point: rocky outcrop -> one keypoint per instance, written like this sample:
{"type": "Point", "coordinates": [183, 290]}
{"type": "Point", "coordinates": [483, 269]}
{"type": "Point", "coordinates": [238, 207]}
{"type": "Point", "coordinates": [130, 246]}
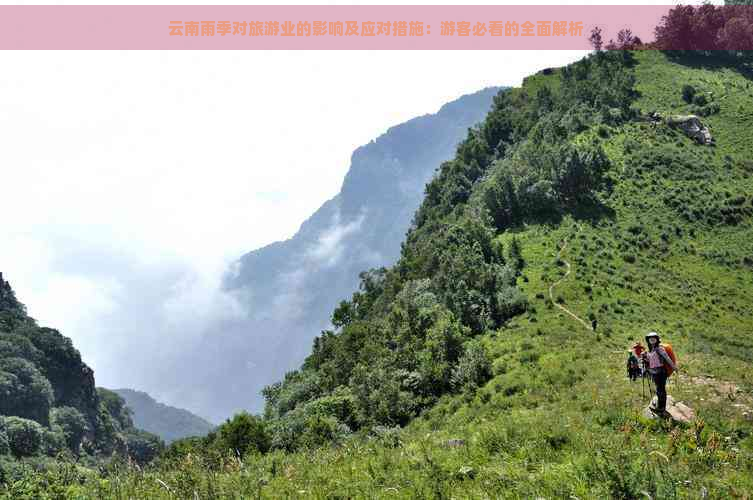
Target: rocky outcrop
{"type": "Point", "coordinates": [676, 410]}
{"type": "Point", "coordinates": [693, 128]}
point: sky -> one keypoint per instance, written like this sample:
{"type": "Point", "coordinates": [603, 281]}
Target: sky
{"type": "Point", "coordinates": [130, 181]}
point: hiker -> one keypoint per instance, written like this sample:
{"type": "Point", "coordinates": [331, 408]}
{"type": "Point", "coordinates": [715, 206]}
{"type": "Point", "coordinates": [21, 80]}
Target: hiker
{"type": "Point", "coordinates": [633, 366]}
{"type": "Point", "coordinates": [638, 349]}
{"type": "Point", "coordinates": [593, 324]}
{"type": "Point", "coordinates": [660, 366]}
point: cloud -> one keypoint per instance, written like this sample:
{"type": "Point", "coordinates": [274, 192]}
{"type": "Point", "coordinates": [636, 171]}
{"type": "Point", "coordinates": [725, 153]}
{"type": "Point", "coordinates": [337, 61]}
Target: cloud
{"type": "Point", "coordinates": [329, 246]}
{"type": "Point", "coordinates": [125, 198]}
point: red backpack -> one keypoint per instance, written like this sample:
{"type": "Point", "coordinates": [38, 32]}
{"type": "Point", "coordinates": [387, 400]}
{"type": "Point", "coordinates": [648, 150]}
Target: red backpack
{"type": "Point", "coordinates": [671, 354]}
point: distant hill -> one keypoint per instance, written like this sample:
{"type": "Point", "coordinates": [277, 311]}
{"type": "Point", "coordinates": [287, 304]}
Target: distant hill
{"type": "Point", "coordinates": [167, 422]}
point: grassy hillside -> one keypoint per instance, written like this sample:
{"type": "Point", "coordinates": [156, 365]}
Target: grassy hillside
{"type": "Point", "coordinates": [453, 374]}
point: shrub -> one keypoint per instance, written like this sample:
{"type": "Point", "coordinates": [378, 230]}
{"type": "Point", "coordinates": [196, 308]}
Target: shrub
{"type": "Point", "coordinates": [244, 433]}
{"type": "Point", "coordinates": [53, 442]}
{"type": "Point", "coordinates": [473, 369]}
{"type": "Point", "coordinates": [24, 436]}
{"type": "Point", "coordinates": [26, 392]}
{"type": "Point", "coordinates": [4, 443]}
{"type": "Point", "coordinates": [388, 436]}
{"type": "Point", "coordinates": [700, 100]}
{"type": "Point", "coordinates": [71, 424]}
{"type": "Point", "coordinates": [143, 446]}
{"type": "Point", "coordinates": [688, 92]}
{"type": "Point", "coordinates": [321, 430]}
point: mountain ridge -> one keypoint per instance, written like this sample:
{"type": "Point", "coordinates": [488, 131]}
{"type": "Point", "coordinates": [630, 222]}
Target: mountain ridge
{"type": "Point", "coordinates": [168, 422]}
{"type": "Point", "coordinates": [290, 287]}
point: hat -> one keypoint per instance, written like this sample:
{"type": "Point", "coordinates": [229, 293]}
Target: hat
{"type": "Point", "coordinates": [653, 334]}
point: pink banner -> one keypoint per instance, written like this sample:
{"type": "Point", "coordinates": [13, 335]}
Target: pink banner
{"type": "Point", "coordinates": [344, 27]}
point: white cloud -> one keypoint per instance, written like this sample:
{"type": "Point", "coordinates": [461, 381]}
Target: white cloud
{"type": "Point", "coordinates": [130, 180]}
{"type": "Point", "coordinates": [329, 246]}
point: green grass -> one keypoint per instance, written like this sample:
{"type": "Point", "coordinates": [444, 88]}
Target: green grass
{"type": "Point", "coordinates": [559, 419]}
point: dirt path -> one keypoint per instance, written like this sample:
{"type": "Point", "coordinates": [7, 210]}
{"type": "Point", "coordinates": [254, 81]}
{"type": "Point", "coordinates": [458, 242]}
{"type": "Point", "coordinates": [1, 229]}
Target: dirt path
{"type": "Point", "coordinates": [553, 285]}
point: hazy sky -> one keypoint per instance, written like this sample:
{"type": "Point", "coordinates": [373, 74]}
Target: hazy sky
{"type": "Point", "coordinates": [129, 180]}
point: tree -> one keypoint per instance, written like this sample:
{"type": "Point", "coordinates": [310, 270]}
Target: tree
{"type": "Point", "coordinates": [515, 255]}
{"type": "Point", "coordinates": [4, 443]}
{"type": "Point", "coordinates": [737, 34]}
{"type": "Point", "coordinates": [24, 392]}
{"type": "Point", "coordinates": [596, 39]}
{"type": "Point", "coordinates": [244, 434]}
{"type": "Point", "coordinates": [579, 171]}
{"type": "Point", "coordinates": [143, 446]}
{"type": "Point", "coordinates": [24, 436]}
{"type": "Point", "coordinates": [625, 41]}
{"type": "Point", "coordinates": [72, 425]}
{"type": "Point", "coordinates": [473, 369]}
{"type": "Point", "coordinates": [688, 92]}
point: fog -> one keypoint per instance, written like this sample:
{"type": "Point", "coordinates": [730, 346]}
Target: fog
{"type": "Point", "coordinates": [131, 181]}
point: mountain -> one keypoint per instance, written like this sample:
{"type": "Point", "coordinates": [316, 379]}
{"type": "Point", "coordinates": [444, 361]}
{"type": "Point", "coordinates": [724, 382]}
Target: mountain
{"type": "Point", "coordinates": [167, 422]}
{"type": "Point", "coordinates": [49, 403]}
{"type": "Point", "coordinates": [289, 288]}
{"type": "Point", "coordinates": [596, 203]}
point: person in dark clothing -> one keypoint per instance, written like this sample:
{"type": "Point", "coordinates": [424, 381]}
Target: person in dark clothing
{"type": "Point", "coordinates": [633, 366]}
{"type": "Point", "coordinates": [657, 361]}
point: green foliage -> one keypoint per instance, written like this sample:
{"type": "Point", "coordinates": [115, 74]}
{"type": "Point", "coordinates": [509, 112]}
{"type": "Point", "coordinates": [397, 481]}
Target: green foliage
{"type": "Point", "coordinates": [143, 447]}
{"type": "Point", "coordinates": [25, 391]}
{"type": "Point", "coordinates": [115, 406]}
{"type": "Point", "coordinates": [688, 93]}
{"type": "Point", "coordinates": [24, 436]}
{"type": "Point", "coordinates": [71, 424]}
{"type": "Point", "coordinates": [542, 409]}
{"type": "Point", "coordinates": [4, 442]}
{"type": "Point", "coordinates": [244, 434]}
{"type": "Point", "coordinates": [473, 369]}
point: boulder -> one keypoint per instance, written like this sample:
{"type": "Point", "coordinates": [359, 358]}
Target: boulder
{"type": "Point", "coordinates": [677, 410]}
{"type": "Point", "coordinates": [693, 128]}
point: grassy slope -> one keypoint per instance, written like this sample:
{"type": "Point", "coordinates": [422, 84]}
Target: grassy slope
{"type": "Point", "coordinates": [559, 419]}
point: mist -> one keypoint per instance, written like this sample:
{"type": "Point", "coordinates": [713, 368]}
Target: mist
{"type": "Point", "coordinates": [133, 181]}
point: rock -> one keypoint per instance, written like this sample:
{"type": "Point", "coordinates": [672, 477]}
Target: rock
{"type": "Point", "coordinates": [693, 128]}
{"type": "Point", "coordinates": [455, 443]}
{"type": "Point", "coordinates": [678, 411]}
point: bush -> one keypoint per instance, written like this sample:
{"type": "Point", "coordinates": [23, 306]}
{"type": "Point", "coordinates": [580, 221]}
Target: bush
{"type": "Point", "coordinates": [71, 424]}
{"type": "Point", "coordinates": [473, 369]}
{"type": "Point", "coordinates": [321, 430]}
{"type": "Point", "coordinates": [143, 446]}
{"type": "Point", "coordinates": [26, 392]}
{"type": "Point", "coordinates": [53, 442]}
{"type": "Point", "coordinates": [243, 434]}
{"type": "Point", "coordinates": [688, 92]}
{"type": "Point", "coordinates": [24, 436]}
{"type": "Point", "coordinates": [4, 443]}
{"type": "Point", "coordinates": [700, 100]}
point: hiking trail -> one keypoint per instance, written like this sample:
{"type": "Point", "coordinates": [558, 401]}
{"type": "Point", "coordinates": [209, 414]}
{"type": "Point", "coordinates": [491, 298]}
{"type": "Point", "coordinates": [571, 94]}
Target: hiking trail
{"type": "Point", "coordinates": [563, 278]}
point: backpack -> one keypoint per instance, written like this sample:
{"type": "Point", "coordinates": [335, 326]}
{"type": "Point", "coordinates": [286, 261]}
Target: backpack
{"type": "Point", "coordinates": [672, 356]}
